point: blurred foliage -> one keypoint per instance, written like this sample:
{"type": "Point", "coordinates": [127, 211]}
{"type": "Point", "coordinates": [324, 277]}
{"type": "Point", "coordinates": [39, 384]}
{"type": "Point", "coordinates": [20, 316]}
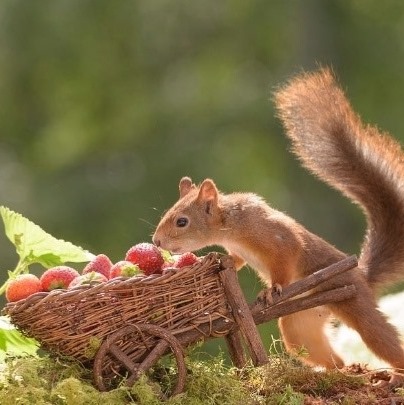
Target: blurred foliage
{"type": "Point", "coordinates": [105, 105]}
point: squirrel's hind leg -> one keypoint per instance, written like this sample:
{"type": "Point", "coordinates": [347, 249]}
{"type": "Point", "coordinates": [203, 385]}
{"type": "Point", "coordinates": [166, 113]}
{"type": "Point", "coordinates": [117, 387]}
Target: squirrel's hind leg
{"type": "Point", "coordinates": [361, 314]}
{"type": "Point", "coordinates": [304, 335]}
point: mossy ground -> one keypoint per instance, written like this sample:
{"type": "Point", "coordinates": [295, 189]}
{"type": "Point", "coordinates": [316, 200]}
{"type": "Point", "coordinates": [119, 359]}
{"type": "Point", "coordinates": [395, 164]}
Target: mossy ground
{"type": "Point", "coordinates": [43, 380]}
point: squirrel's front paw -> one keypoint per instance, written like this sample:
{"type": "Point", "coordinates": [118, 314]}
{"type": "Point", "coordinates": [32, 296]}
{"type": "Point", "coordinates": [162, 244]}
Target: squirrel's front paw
{"type": "Point", "coordinates": [267, 296]}
{"type": "Point", "coordinates": [277, 289]}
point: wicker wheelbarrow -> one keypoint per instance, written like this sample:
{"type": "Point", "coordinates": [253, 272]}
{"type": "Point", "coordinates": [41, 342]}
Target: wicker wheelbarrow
{"type": "Point", "coordinates": [123, 327]}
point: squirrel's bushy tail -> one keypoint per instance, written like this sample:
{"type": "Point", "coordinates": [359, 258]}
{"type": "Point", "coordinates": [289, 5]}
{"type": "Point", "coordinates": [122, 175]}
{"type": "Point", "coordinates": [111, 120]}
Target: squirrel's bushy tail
{"type": "Point", "coordinates": [360, 161]}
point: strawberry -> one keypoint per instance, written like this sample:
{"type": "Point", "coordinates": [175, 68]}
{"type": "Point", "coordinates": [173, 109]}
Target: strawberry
{"type": "Point", "coordinates": [147, 256]}
{"type": "Point", "coordinates": [124, 268]}
{"type": "Point", "coordinates": [186, 259]}
{"type": "Point", "coordinates": [58, 277]}
{"type": "Point", "coordinates": [90, 278]}
{"type": "Point", "coordinates": [22, 287]}
{"type": "Point", "coordinates": [101, 264]}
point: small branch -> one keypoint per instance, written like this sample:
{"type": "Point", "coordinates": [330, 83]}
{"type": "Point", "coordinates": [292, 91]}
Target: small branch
{"type": "Point", "coordinates": [263, 314]}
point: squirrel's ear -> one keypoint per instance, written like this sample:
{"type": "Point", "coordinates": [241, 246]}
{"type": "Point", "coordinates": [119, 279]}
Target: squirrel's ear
{"type": "Point", "coordinates": [208, 193]}
{"type": "Point", "coordinates": [185, 186]}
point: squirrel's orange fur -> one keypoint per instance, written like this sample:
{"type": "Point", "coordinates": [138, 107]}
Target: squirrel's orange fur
{"type": "Point", "coordinates": [365, 165]}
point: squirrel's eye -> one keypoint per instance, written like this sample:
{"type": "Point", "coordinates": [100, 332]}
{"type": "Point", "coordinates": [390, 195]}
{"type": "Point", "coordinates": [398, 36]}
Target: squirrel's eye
{"type": "Point", "coordinates": [181, 222]}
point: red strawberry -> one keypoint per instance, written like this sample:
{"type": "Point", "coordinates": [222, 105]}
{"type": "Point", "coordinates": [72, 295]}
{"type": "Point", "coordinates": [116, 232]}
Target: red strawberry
{"type": "Point", "coordinates": [124, 268]}
{"type": "Point", "coordinates": [186, 259]}
{"type": "Point", "coordinates": [58, 277]}
{"type": "Point", "coordinates": [101, 264]}
{"type": "Point", "coordinates": [147, 256]}
{"type": "Point", "coordinates": [91, 278]}
{"type": "Point", "coordinates": [22, 287]}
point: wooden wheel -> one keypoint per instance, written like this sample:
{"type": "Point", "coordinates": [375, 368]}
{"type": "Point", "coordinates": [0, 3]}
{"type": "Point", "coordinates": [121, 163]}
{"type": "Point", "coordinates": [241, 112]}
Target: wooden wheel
{"type": "Point", "coordinates": [131, 351]}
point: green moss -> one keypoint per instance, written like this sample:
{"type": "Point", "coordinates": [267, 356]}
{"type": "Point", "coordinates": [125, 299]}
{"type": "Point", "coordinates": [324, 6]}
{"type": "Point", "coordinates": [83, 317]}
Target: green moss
{"type": "Point", "coordinates": [208, 382]}
{"type": "Point", "coordinates": [33, 380]}
{"type": "Point", "coordinates": [286, 380]}
{"type": "Point", "coordinates": [42, 381]}
{"type": "Point", "coordinates": [288, 397]}
{"type": "Point", "coordinates": [93, 345]}
{"type": "Point", "coordinates": [73, 391]}
{"type": "Point", "coordinates": [211, 382]}
{"type": "Point", "coordinates": [48, 381]}
{"type": "Point", "coordinates": [145, 393]}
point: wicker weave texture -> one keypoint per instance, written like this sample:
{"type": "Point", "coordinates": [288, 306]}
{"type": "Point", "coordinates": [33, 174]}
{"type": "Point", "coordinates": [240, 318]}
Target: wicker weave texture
{"type": "Point", "coordinates": [75, 322]}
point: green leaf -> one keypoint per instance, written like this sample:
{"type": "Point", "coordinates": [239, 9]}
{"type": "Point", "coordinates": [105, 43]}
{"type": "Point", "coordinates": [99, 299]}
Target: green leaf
{"type": "Point", "coordinates": [13, 342]}
{"type": "Point", "coordinates": [34, 245]}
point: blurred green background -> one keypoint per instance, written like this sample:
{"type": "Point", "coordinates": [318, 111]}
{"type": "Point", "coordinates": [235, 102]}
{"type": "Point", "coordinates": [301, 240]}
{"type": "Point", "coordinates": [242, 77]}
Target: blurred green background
{"type": "Point", "coordinates": [104, 105]}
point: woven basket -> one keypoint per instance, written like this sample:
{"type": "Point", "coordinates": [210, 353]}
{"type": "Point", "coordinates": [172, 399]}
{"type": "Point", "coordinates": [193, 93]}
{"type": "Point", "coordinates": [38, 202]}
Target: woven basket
{"type": "Point", "coordinates": [75, 322]}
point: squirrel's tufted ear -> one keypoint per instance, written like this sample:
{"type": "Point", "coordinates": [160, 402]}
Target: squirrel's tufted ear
{"type": "Point", "coordinates": [185, 186]}
{"type": "Point", "coordinates": [208, 193]}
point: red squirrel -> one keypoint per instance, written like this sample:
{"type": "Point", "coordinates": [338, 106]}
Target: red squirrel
{"type": "Point", "coordinates": [361, 162]}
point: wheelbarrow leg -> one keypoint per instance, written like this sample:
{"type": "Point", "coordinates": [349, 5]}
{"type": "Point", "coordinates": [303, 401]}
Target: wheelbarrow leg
{"type": "Point", "coordinates": [242, 313]}
{"type": "Point", "coordinates": [234, 342]}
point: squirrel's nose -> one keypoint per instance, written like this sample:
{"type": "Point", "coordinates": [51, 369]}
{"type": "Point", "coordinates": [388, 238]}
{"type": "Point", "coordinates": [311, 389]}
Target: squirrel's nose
{"type": "Point", "coordinates": [156, 241]}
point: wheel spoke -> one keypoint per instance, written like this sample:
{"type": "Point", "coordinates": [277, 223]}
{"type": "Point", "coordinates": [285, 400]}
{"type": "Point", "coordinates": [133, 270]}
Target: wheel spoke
{"type": "Point", "coordinates": [151, 350]}
{"type": "Point", "coordinates": [122, 357]}
{"type": "Point", "coordinates": [150, 360]}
